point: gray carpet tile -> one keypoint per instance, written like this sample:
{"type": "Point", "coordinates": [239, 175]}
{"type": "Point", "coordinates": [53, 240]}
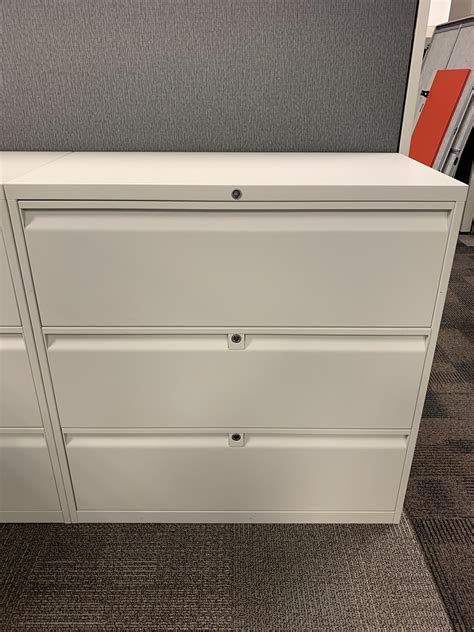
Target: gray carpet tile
{"type": "Point", "coordinates": [448, 547]}
{"type": "Point", "coordinates": [218, 577]}
{"type": "Point", "coordinates": [334, 577]}
{"type": "Point", "coordinates": [440, 497]}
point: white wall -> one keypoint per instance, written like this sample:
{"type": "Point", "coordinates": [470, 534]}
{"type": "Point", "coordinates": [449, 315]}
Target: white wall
{"type": "Point", "coordinates": [439, 13]}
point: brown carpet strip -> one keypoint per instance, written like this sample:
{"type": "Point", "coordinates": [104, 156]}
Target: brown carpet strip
{"type": "Point", "coordinates": [440, 498]}
{"type": "Point", "coordinates": [276, 577]}
{"type": "Point", "coordinates": [217, 577]}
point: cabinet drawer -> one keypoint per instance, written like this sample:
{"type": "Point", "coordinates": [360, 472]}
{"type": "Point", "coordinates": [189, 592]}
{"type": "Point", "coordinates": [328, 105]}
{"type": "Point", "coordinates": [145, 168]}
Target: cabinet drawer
{"type": "Point", "coordinates": [18, 402]}
{"type": "Point", "coordinates": [9, 315]}
{"type": "Point", "coordinates": [197, 381]}
{"type": "Point", "coordinates": [26, 476]}
{"type": "Point", "coordinates": [202, 472]}
{"type": "Point", "coordinates": [259, 268]}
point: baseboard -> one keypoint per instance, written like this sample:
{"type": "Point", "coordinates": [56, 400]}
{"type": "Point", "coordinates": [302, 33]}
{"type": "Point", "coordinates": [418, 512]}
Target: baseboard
{"type": "Point", "coordinates": [365, 517]}
{"type": "Point", "coordinates": [31, 516]}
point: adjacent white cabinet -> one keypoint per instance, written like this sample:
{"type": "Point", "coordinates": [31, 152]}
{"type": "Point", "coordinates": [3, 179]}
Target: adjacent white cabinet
{"type": "Point", "coordinates": [19, 403]}
{"type": "Point", "coordinates": [28, 485]}
{"type": "Point", "coordinates": [234, 337]}
{"type": "Point", "coordinates": [9, 314]}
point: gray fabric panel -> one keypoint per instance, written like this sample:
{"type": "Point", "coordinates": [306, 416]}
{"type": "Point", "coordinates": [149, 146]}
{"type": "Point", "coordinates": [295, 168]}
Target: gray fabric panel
{"type": "Point", "coordinates": [205, 75]}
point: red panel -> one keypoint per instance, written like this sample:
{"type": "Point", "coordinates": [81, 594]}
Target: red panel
{"type": "Point", "coordinates": [436, 115]}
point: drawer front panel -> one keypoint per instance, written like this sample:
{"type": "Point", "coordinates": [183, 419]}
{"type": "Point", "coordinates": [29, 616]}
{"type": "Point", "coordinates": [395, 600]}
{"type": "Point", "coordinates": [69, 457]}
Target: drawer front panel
{"type": "Point", "coordinates": [9, 315]}
{"type": "Point", "coordinates": [203, 473]}
{"type": "Point", "coordinates": [18, 402]}
{"type": "Point", "coordinates": [197, 381]}
{"type": "Point", "coordinates": [139, 268]}
{"type": "Point", "coordinates": [26, 476]}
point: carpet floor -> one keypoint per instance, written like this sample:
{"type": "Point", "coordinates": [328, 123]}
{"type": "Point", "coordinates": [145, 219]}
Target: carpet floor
{"type": "Point", "coordinates": [217, 577]}
{"type": "Point", "coordinates": [440, 496]}
{"type": "Point", "coordinates": [277, 577]}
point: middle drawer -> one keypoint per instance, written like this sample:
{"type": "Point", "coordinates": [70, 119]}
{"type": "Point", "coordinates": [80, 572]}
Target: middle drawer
{"type": "Point", "coordinates": [276, 381]}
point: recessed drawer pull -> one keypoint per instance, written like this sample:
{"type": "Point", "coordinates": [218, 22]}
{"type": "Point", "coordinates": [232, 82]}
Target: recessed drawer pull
{"type": "Point", "coordinates": [274, 472]}
{"type": "Point", "coordinates": [272, 381]}
{"type": "Point", "coordinates": [176, 264]}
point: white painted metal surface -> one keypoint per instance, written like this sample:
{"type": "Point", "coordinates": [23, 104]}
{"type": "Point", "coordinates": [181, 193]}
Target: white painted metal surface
{"type": "Point", "coordinates": [135, 324]}
{"type": "Point", "coordinates": [232, 268]}
{"type": "Point", "coordinates": [18, 402]}
{"type": "Point", "coordinates": [197, 381]}
{"type": "Point", "coordinates": [198, 472]}
{"type": "Point", "coordinates": [213, 176]}
{"type": "Point", "coordinates": [468, 216]}
{"type": "Point", "coordinates": [15, 164]}
{"type": "Point", "coordinates": [252, 517]}
{"type": "Point", "coordinates": [9, 314]}
{"type": "Point", "coordinates": [31, 482]}
{"type": "Point", "coordinates": [26, 478]}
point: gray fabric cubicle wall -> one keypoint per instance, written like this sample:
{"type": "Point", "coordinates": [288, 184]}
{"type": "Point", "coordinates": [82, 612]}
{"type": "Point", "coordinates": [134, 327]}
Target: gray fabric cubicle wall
{"type": "Point", "coordinates": [205, 75]}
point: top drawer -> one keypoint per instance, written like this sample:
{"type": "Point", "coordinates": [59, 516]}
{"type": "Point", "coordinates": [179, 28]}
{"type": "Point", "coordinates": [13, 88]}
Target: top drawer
{"type": "Point", "coordinates": [225, 268]}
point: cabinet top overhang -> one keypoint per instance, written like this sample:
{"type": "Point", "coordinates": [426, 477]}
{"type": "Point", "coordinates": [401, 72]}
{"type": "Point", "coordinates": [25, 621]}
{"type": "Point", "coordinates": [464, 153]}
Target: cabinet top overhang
{"type": "Point", "coordinates": [214, 176]}
{"type": "Point", "coordinates": [14, 164]}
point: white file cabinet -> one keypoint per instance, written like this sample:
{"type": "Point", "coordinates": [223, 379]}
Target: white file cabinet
{"type": "Point", "coordinates": [235, 337]}
{"type": "Point", "coordinates": [28, 485]}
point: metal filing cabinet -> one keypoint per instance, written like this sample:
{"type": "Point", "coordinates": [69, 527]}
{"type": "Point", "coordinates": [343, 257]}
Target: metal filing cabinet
{"type": "Point", "coordinates": [232, 337]}
{"type": "Point", "coordinates": [30, 479]}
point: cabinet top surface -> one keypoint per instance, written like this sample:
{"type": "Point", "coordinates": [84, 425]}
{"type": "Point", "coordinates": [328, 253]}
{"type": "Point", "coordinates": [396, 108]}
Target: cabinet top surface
{"type": "Point", "coordinates": [14, 164]}
{"type": "Point", "coordinates": [259, 176]}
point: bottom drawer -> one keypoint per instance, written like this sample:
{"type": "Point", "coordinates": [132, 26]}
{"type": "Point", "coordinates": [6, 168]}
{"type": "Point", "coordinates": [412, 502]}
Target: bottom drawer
{"type": "Point", "coordinates": [26, 475]}
{"type": "Point", "coordinates": [207, 472]}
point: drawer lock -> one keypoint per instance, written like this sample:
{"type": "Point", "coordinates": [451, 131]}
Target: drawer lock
{"type": "Point", "coordinates": [236, 341]}
{"type": "Point", "coordinates": [236, 440]}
